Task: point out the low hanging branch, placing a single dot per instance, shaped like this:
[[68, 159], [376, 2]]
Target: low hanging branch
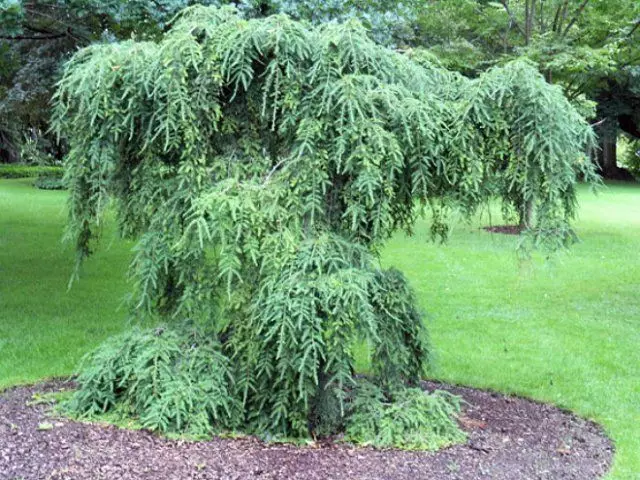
[[259, 165]]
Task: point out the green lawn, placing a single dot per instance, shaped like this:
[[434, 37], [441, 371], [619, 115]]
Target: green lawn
[[44, 328], [565, 331]]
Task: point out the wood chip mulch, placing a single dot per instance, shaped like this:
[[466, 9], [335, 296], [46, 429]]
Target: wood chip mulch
[[509, 438], [504, 229]]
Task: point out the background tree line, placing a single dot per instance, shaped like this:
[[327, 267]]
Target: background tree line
[[590, 47]]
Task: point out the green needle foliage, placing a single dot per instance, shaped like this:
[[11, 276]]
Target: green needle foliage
[[260, 164], [407, 418], [173, 380]]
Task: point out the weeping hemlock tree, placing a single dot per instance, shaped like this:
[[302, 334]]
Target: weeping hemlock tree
[[260, 164]]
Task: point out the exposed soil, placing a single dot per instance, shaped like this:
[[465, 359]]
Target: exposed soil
[[509, 438], [505, 229]]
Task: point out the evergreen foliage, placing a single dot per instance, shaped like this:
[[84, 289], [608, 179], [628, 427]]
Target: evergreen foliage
[[406, 418], [261, 163], [535, 141], [174, 380], [49, 182]]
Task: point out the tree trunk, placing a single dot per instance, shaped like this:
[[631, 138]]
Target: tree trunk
[[532, 19], [607, 157], [526, 215], [527, 22]]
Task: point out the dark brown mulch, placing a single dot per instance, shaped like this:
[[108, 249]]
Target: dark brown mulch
[[505, 229], [509, 438]]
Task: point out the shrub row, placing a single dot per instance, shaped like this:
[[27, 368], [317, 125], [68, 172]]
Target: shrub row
[[25, 171]]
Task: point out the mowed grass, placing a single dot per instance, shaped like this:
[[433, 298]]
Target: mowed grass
[[44, 327], [565, 330]]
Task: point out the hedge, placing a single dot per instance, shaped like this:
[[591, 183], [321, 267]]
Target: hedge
[[24, 171]]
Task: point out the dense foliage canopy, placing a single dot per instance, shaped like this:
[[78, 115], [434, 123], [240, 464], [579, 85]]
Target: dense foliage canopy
[[589, 47], [261, 163]]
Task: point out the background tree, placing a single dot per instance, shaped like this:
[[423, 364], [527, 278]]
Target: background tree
[[37, 36], [587, 46], [260, 164]]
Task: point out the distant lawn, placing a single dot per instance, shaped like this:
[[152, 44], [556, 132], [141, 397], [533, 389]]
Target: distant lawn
[[565, 331]]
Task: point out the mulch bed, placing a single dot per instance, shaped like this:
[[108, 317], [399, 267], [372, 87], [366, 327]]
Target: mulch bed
[[504, 229], [509, 438]]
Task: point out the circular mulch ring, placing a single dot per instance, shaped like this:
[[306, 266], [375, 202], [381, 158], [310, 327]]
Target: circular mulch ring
[[504, 229], [509, 438]]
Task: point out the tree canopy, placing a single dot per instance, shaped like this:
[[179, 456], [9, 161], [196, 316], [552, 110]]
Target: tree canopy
[[589, 47], [37, 37], [260, 163]]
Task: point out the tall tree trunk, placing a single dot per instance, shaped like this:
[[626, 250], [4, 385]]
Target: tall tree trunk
[[607, 156], [532, 19], [527, 22]]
